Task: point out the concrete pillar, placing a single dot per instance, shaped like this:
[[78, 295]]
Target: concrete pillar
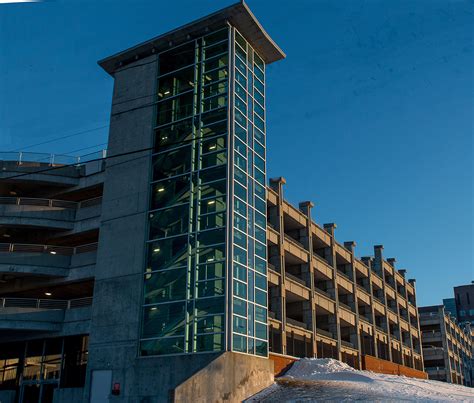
[[276, 184], [335, 327], [308, 271]]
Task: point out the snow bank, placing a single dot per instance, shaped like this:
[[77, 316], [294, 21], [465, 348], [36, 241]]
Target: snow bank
[[311, 379]]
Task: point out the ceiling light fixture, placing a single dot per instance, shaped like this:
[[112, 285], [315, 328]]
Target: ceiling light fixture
[[48, 294]]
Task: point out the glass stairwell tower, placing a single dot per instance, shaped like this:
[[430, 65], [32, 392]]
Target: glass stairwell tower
[[205, 277]]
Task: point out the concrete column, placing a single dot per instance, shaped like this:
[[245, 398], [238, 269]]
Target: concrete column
[[309, 314], [335, 327], [276, 184], [368, 262], [378, 265], [355, 337]]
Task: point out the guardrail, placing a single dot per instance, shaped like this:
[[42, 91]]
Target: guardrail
[[295, 278], [347, 344], [51, 249], [324, 333], [41, 202], [45, 303], [45, 159]]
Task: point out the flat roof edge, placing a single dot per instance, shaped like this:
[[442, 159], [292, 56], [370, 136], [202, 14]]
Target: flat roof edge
[[237, 14]]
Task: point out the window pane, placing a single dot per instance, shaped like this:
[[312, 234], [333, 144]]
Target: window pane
[[261, 348], [259, 62], [260, 297], [240, 91], [164, 320], [240, 176], [241, 105], [240, 222], [260, 205], [259, 123], [240, 271], [175, 83], [209, 160], [259, 163], [214, 63], [241, 133], [211, 270], [210, 342], [259, 74], [208, 238], [174, 345], [259, 86], [218, 88], [212, 221], [241, 41], [260, 314], [259, 110], [210, 288], [259, 176], [211, 254], [211, 324], [212, 205], [174, 135], [240, 307], [165, 286], [170, 192], [176, 58], [240, 207], [239, 343], [240, 191], [260, 281], [214, 102], [260, 330], [260, 191], [240, 117], [240, 78], [240, 325], [240, 64], [168, 253], [175, 109], [214, 129], [216, 75], [240, 238], [240, 255], [172, 163], [216, 37], [208, 306], [211, 175], [260, 265], [259, 98], [219, 48], [169, 222]]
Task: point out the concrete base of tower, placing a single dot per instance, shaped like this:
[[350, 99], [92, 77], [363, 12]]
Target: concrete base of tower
[[232, 377]]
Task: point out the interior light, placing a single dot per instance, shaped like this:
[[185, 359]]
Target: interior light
[[160, 94], [211, 202], [13, 193], [161, 190], [48, 294], [6, 235], [53, 252], [153, 308], [164, 138], [208, 78], [213, 147], [191, 83], [210, 259], [156, 250], [167, 92]]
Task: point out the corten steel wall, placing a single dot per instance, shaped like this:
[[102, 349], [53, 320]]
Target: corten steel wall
[[281, 363], [386, 367]]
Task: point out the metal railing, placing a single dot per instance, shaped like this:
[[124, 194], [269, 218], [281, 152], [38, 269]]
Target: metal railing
[[321, 292], [41, 202], [45, 303], [50, 249], [22, 158], [347, 344], [343, 305]]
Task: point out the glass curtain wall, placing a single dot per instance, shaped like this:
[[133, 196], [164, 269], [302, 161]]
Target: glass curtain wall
[[249, 301], [184, 279]]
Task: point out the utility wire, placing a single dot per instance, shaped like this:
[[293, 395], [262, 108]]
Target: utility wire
[[98, 159], [61, 138]]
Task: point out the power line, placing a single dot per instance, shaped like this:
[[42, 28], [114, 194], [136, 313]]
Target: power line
[[61, 138], [85, 148], [98, 159]]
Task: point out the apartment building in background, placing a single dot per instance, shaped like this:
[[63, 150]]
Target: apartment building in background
[[447, 346], [137, 276]]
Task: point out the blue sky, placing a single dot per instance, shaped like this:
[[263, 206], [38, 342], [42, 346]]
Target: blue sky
[[370, 115]]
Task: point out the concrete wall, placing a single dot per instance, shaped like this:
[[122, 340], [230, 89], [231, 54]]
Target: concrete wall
[[116, 310], [7, 396], [68, 395], [232, 377]]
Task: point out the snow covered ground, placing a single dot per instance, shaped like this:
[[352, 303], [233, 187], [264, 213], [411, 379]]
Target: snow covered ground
[[329, 380]]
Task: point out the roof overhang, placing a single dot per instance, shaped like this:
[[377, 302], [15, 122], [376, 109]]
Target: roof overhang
[[238, 15]]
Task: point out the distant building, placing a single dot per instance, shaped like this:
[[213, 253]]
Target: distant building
[[450, 307], [464, 297], [447, 347]]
